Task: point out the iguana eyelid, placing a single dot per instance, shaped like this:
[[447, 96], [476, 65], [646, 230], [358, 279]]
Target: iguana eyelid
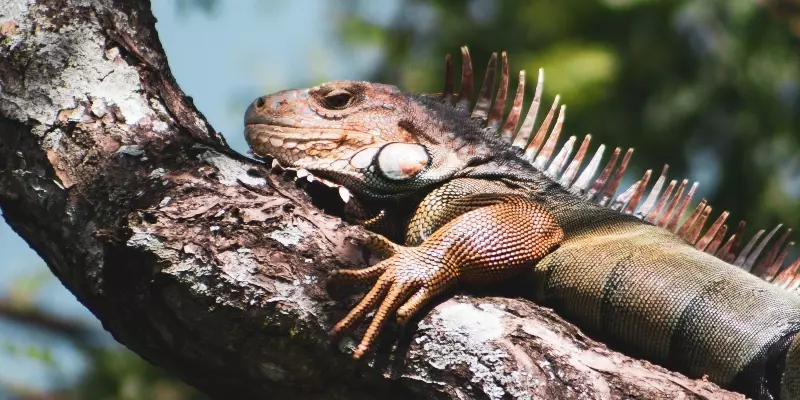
[[338, 99], [330, 101]]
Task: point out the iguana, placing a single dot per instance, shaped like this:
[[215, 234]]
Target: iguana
[[473, 199]]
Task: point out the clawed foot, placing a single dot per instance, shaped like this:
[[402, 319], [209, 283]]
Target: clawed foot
[[406, 279], [484, 245]]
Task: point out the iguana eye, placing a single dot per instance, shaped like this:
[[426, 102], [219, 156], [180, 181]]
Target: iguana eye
[[401, 161], [337, 99]]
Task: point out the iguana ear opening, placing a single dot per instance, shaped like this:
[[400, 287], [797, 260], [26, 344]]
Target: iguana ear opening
[[402, 161]]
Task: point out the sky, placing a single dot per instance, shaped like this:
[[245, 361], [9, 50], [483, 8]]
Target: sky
[[224, 60]]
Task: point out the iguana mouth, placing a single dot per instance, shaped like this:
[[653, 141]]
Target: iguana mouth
[[275, 139], [288, 144], [293, 134]]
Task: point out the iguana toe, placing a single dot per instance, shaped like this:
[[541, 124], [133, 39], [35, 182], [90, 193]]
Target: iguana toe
[[411, 272]]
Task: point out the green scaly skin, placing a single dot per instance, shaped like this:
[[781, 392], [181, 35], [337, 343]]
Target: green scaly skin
[[470, 208]]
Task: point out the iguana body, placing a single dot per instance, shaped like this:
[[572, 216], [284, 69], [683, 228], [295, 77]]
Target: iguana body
[[470, 207]]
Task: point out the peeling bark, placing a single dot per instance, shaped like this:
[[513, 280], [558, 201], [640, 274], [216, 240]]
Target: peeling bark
[[206, 263]]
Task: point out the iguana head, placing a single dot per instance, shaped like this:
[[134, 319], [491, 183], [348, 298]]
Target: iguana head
[[369, 137]]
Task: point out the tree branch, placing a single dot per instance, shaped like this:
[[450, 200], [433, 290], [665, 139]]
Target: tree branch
[[204, 262], [33, 317]]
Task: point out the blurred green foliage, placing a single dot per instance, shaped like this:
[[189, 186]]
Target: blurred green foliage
[[42, 354], [119, 374], [113, 372]]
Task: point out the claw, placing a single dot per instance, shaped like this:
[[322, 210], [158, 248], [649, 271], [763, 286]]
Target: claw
[[397, 294], [396, 278], [359, 311]]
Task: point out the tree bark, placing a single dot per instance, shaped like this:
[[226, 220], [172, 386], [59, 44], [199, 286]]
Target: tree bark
[[205, 262]]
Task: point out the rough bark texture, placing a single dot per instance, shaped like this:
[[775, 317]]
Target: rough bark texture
[[205, 263]]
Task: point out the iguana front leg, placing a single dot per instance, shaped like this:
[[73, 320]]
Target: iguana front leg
[[482, 246]]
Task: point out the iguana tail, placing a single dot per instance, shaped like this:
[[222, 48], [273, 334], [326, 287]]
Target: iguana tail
[[790, 381]]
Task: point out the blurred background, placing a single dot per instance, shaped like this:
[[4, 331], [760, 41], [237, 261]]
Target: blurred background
[[707, 86]]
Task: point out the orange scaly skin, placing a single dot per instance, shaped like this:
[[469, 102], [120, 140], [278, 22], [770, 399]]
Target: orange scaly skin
[[461, 250]]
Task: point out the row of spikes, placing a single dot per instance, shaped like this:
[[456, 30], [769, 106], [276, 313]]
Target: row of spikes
[[661, 209]]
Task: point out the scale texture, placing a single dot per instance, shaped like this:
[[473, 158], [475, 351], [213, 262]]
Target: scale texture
[[459, 196]]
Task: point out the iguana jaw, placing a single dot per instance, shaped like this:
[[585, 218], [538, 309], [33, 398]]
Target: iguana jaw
[[299, 147]]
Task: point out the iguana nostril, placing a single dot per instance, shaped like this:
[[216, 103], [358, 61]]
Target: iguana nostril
[[260, 102]]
